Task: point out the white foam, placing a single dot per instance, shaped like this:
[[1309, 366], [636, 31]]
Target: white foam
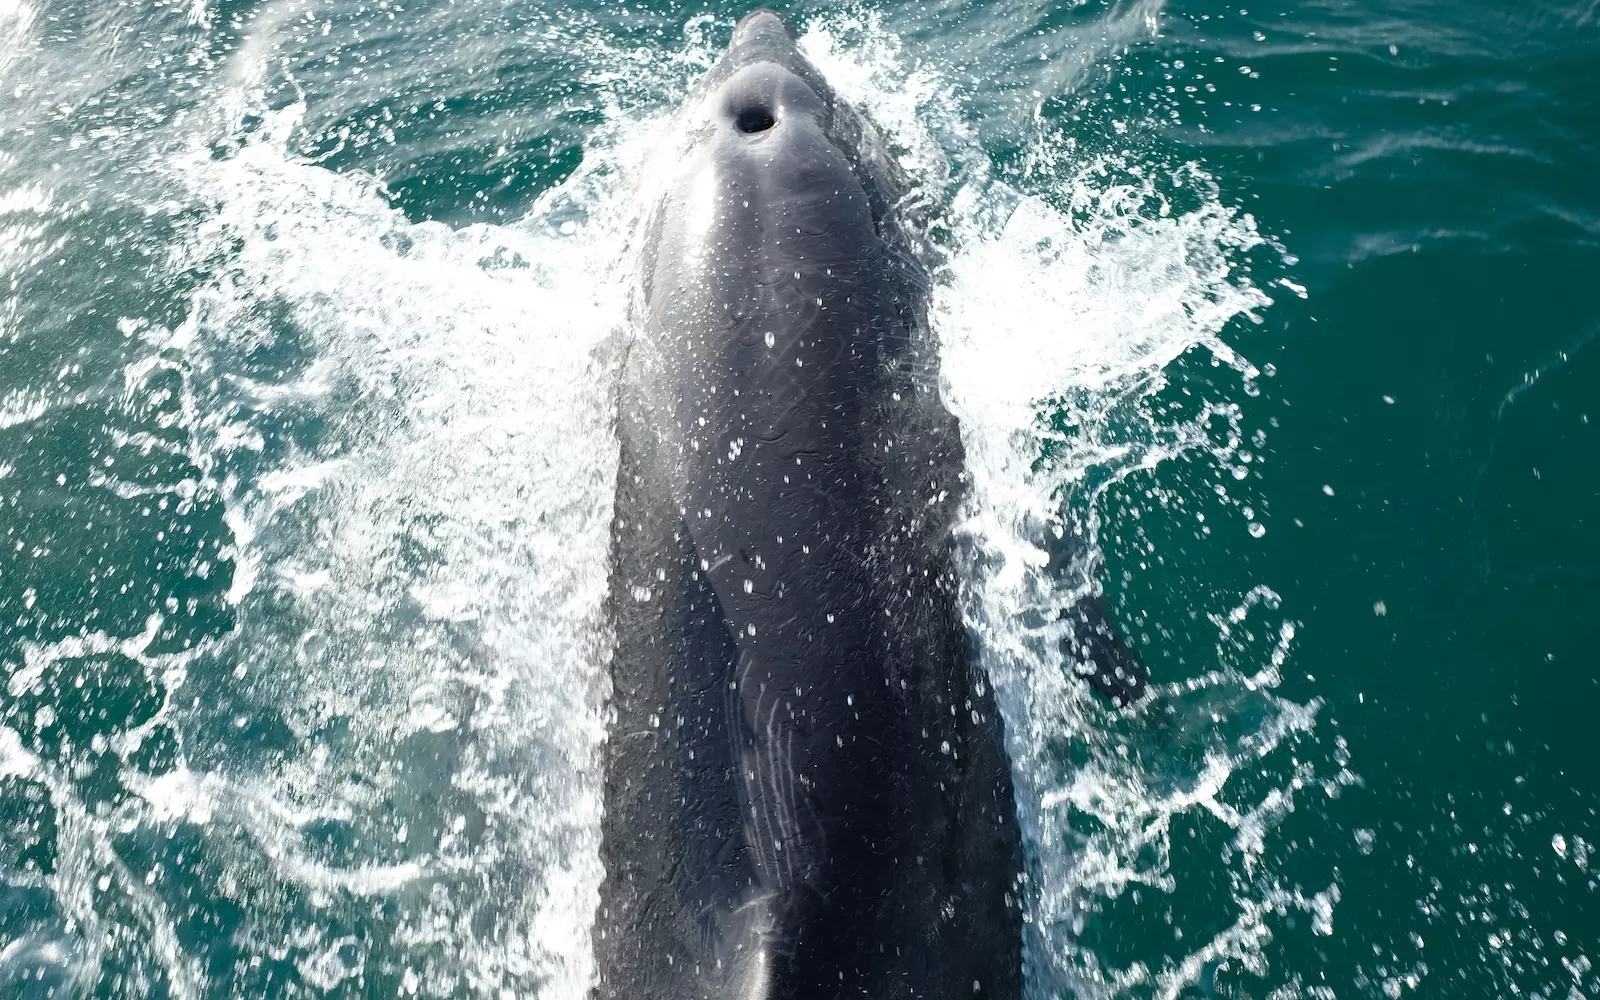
[[1078, 297], [16, 23], [88, 868], [25, 240], [424, 568]]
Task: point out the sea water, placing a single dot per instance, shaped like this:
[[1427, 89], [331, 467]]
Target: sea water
[[1270, 324]]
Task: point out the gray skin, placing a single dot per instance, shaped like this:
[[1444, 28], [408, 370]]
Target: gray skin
[[806, 792]]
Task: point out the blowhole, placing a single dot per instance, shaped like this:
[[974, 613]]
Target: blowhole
[[753, 120]]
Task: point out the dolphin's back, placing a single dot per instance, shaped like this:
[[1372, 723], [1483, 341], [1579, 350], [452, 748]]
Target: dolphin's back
[[806, 794]]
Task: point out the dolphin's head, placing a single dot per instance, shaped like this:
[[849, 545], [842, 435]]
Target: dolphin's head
[[762, 27], [765, 116], [763, 85]]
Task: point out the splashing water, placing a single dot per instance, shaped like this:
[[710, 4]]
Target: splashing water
[[381, 769], [1059, 314], [422, 498]]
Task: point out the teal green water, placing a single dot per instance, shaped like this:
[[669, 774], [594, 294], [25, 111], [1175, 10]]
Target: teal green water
[[305, 313]]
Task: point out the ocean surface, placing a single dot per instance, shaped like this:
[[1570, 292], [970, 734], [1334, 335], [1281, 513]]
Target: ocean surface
[[308, 316]]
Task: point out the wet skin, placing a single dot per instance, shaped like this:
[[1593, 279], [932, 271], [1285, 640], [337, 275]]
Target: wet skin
[[806, 792]]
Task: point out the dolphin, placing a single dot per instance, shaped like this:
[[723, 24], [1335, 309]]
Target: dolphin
[[806, 792]]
